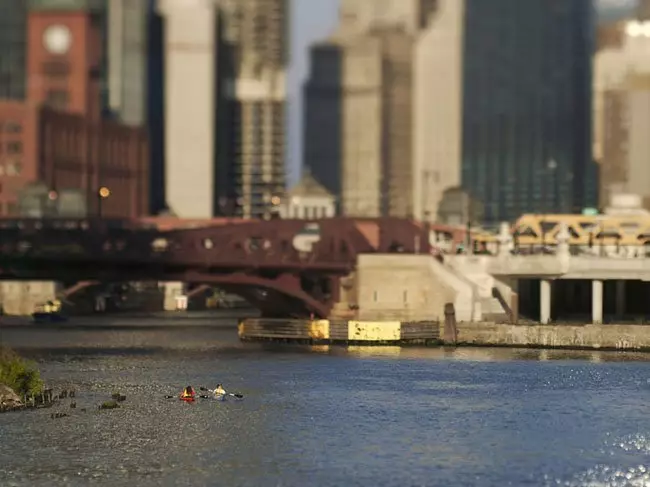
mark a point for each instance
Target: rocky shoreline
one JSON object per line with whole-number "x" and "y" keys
{"x": 9, "y": 400}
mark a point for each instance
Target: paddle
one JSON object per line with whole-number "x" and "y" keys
{"x": 178, "y": 397}
{"x": 237, "y": 395}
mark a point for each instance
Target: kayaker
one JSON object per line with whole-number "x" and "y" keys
{"x": 219, "y": 391}
{"x": 188, "y": 392}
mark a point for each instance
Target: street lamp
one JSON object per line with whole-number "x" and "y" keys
{"x": 102, "y": 194}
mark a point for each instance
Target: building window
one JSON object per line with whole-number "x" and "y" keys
{"x": 55, "y": 69}
{"x": 57, "y": 98}
{"x": 14, "y": 148}
{"x": 12, "y": 128}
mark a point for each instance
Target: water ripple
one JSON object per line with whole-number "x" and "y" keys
{"x": 487, "y": 418}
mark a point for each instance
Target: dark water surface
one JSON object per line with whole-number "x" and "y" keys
{"x": 371, "y": 417}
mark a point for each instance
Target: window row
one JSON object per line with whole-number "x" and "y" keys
{"x": 14, "y": 147}
{"x": 10, "y": 127}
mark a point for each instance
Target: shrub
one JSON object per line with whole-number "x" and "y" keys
{"x": 20, "y": 375}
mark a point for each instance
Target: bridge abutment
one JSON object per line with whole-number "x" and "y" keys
{"x": 21, "y": 298}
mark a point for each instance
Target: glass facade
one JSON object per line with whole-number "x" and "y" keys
{"x": 13, "y": 48}
{"x": 155, "y": 106}
{"x": 527, "y": 106}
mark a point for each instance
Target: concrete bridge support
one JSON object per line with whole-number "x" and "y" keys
{"x": 21, "y": 298}
{"x": 597, "y": 299}
{"x": 545, "y": 301}
{"x": 597, "y": 302}
{"x": 173, "y": 291}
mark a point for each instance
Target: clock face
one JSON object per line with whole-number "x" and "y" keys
{"x": 57, "y": 39}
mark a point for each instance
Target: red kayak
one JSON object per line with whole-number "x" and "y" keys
{"x": 188, "y": 394}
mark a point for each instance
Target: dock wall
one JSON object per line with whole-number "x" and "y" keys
{"x": 344, "y": 332}
{"x": 597, "y": 337}
{"x": 576, "y": 337}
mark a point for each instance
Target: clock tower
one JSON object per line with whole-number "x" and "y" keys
{"x": 65, "y": 53}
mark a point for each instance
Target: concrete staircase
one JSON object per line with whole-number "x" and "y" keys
{"x": 487, "y": 287}
{"x": 467, "y": 304}
{"x": 492, "y": 310}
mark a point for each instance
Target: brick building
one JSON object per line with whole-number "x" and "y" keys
{"x": 56, "y": 136}
{"x": 67, "y": 151}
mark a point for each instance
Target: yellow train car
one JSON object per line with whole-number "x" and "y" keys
{"x": 625, "y": 230}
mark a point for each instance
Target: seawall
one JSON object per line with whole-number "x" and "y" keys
{"x": 577, "y": 337}
{"x": 331, "y": 332}
{"x": 396, "y": 333}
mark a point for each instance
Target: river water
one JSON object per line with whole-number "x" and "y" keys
{"x": 322, "y": 416}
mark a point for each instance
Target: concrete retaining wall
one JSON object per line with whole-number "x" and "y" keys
{"x": 331, "y": 332}
{"x": 400, "y": 287}
{"x": 20, "y": 298}
{"x": 599, "y": 337}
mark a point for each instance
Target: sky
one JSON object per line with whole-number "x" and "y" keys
{"x": 313, "y": 20}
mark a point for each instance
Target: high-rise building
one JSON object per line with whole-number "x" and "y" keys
{"x": 135, "y": 79}
{"x": 66, "y": 56}
{"x": 359, "y": 107}
{"x": 190, "y": 106}
{"x": 225, "y": 104}
{"x": 503, "y": 108}
{"x": 13, "y": 42}
{"x": 621, "y": 107}
{"x": 55, "y": 138}
{"x": 255, "y": 32}
{"x": 376, "y": 119}
{"x": 127, "y": 39}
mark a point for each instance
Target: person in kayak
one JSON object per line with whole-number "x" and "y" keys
{"x": 188, "y": 392}
{"x": 219, "y": 391}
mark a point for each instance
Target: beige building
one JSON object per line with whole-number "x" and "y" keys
{"x": 622, "y": 109}
{"x": 438, "y": 108}
{"x": 359, "y": 138}
{"x": 308, "y": 200}
{"x": 225, "y": 106}
{"x": 376, "y": 118}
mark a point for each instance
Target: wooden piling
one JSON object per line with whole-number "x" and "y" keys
{"x": 451, "y": 330}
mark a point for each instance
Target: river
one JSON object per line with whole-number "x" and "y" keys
{"x": 321, "y": 416}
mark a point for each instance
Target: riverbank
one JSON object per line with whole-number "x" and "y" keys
{"x": 20, "y": 380}
{"x": 325, "y": 332}
{"x": 574, "y": 337}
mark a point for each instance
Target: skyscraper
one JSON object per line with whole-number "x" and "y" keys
{"x": 225, "y": 100}
{"x": 359, "y": 107}
{"x": 251, "y": 171}
{"x": 127, "y": 40}
{"x": 135, "y": 79}
{"x": 504, "y": 105}
{"x": 622, "y": 107}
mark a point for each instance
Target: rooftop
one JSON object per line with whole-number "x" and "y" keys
{"x": 308, "y": 186}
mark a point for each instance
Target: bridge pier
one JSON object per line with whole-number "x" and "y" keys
{"x": 545, "y": 301}
{"x": 173, "y": 290}
{"x": 596, "y": 301}
{"x": 20, "y": 298}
